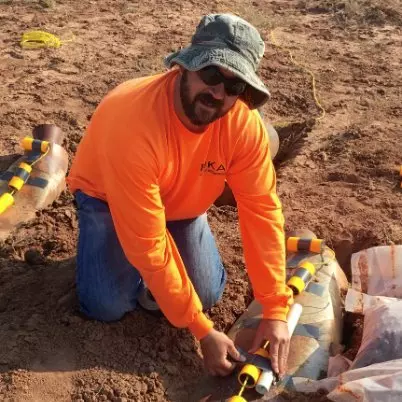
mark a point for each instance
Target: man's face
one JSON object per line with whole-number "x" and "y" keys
{"x": 203, "y": 103}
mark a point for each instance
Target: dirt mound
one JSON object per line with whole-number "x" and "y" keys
{"x": 358, "y": 12}
{"x": 337, "y": 176}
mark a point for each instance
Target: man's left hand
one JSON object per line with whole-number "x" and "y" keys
{"x": 276, "y": 332}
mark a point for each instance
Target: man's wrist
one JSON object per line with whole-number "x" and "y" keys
{"x": 278, "y": 313}
{"x": 201, "y": 326}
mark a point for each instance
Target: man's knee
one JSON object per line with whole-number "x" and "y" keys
{"x": 210, "y": 295}
{"x": 101, "y": 309}
{"x": 209, "y": 299}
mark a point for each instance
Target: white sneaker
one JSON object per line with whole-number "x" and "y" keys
{"x": 147, "y": 301}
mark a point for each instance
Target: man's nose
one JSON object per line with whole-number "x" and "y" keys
{"x": 218, "y": 91}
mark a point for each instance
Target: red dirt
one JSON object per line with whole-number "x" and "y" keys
{"x": 340, "y": 178}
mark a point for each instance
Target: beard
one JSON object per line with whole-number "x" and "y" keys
{"x": 195, "y": 109}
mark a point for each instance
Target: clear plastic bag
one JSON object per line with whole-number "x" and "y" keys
{"x": 375, "y": 375}
{"x": 376, "y": 383}
{"x": 382, "y": 335}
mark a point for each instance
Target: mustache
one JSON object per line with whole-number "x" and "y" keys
{"x": 209, "y": 100}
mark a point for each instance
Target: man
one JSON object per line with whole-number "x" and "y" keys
{"x": 155, "y": 156}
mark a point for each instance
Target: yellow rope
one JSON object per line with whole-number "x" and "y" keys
{"x": 317, "y": 102}
{"x": 40, "y": 39}
{"x": 243, "y": 387}
{"x": 41, "y": 157}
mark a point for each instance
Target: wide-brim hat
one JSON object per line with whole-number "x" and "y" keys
{"x": 226, "y": 41}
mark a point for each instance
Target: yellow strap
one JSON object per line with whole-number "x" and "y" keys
{"x": 317, "y": 102}
{"x": 40, "y": 39}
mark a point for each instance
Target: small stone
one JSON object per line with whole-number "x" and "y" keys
{"x": 310, "y": 164}
{"x": 144, "y": 388}
{"x": 365, "y": 102}
{"x": 186, "y": 346}
{"x": 323, "y": 155}
{"x": 87, "y": 398}
{"x": 46, "y": 3}
{"x": 170, "y": 369}
{"x": 145, "y": 345}
{"x": 80, "y": 382}
{"x": 137, "y": 387}
{"x": 164, "y": 355}
{"x": 33, "y": 322}
{"x": 16, "y": 55}
{"x": 75, "y": 320}
{"x": 151, "y": 386}
{"x": 34, "y": 257}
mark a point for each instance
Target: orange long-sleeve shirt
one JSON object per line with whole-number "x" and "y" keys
{"x": 138, "y": 157}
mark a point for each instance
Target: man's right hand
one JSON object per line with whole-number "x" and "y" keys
{"x": 216, "y": 347}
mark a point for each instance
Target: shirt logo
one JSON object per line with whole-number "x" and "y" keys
{"x": 213, "y": 167}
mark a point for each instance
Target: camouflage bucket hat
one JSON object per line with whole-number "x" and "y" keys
{"x": 226, "y": 41}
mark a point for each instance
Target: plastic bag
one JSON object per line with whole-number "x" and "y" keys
{"x": 382, "y": 335}
{"x": 376, "y": 383}
{"x": 376, "y": 292}
{"x": 357, "y": 302}
{"x": 378, "y": 271}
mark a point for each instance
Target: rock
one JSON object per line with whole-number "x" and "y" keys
{"x": 46, "y": 3}
{"x": 75, "y": 320}
{"x": 365, "y": 102}
{"x": 164, "y": 355}
{"x": 144, "y": 345}
{"x": 144, "y": 388}
{"x": 170, "y": 369}
{"x": 323, "y": 155}
{"x": 33, "y": 322}
{"x": 80, "y": 382}
{"x": 137, "y": 387}
{"x": 310, "y": 164}
{"x": 34, "y": 257}
{"x": 151, "y": 385}
{"x": 186, "y": 346}
{"x": 16, "y": 55}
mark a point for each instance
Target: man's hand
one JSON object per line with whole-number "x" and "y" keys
{"x": 215, "y": 348}
{"x": 276, "y": 332}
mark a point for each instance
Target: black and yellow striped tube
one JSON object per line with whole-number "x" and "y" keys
{"x": 301, "y": 277}
{"x": 21, "y": 176}
{"x": 6, "y": 200}
{"x": 32, "y": 144}
{"x": 250, "y": 374}
{"x": 299, "y": 244}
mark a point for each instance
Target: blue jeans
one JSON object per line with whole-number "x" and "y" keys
{"x": 108, "y": 285}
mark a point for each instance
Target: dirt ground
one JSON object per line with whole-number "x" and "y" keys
{"x": 338, "y": 176}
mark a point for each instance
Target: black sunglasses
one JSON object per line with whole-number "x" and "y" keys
{"x": 212, "y": 76}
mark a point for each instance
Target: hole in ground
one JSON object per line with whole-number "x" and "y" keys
{"x": 291, "y": 141}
